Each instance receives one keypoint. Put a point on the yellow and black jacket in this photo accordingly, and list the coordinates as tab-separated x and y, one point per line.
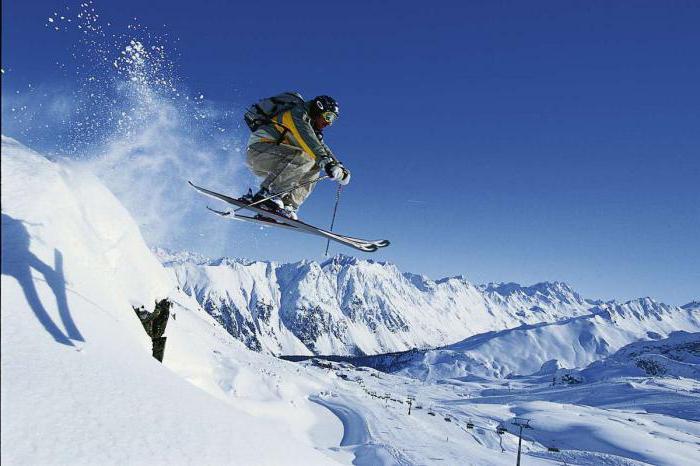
293	127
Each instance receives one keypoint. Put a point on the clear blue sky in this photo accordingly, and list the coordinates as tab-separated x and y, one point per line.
505	141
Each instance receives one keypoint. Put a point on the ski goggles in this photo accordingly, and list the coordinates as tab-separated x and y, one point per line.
329	117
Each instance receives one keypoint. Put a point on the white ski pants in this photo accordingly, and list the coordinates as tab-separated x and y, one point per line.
283	167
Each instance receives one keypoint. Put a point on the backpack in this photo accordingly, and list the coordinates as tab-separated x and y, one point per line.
262	112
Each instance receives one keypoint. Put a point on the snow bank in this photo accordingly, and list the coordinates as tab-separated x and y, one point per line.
79	383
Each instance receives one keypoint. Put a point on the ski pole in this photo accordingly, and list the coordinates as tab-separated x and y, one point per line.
335	210
272	196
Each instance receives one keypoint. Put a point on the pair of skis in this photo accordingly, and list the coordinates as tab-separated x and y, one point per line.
267	218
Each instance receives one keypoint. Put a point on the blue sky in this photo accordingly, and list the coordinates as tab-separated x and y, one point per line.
503	141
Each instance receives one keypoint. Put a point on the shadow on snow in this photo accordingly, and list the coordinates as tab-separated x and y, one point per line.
18	262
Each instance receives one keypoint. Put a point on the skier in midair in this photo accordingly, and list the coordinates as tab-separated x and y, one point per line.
286	148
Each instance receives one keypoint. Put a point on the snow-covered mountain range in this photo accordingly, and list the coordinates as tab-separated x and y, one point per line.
347	306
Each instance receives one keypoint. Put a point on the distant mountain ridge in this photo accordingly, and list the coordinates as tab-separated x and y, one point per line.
693	305
570	343
675	356
348	306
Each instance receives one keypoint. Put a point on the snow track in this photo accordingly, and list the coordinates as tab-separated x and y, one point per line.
356	435
355	427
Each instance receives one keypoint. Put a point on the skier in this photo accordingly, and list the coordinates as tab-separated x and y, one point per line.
286	148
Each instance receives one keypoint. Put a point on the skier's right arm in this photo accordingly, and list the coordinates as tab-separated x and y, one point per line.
337	171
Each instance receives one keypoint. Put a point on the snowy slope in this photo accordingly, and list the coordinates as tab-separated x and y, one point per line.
647	386
627	421
79	383
350	306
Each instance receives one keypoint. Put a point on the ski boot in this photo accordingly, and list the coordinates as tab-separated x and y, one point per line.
272	205
290	212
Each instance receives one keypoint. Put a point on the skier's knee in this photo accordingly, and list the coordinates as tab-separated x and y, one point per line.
306	163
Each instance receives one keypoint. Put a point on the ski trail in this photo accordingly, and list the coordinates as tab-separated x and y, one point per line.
357	438
355	430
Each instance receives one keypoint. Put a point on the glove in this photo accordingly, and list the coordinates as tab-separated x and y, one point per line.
346	177
334	170
337	171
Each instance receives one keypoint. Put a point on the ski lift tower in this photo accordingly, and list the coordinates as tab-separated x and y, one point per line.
523	424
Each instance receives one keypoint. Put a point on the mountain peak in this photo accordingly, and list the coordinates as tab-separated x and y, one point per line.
169	257
501	288
693	305
340	260
509	288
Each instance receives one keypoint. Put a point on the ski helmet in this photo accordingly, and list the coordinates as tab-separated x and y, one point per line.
326	106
